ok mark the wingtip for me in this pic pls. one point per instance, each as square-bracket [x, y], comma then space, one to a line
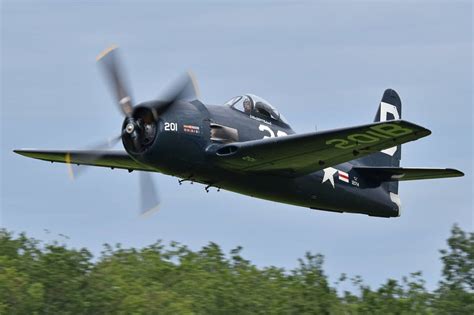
[23, 152]
[427, 131]
[424, 132]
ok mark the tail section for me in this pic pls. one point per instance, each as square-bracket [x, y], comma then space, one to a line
[382, 169]
[390, 108]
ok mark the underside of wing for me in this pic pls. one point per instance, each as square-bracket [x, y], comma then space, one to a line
[402, 173]
[112, 159]
[295, 155]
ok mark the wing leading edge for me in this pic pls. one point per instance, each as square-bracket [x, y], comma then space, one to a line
[300, 154]
[113, 159]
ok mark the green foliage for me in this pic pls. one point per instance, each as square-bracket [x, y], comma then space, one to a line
[37, 278]
[408, 297]
[456, 292]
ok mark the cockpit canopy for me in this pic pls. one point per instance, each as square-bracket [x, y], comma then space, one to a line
[252, 104]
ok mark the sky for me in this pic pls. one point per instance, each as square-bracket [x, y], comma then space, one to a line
[323, 64]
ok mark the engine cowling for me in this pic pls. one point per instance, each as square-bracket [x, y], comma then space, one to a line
[139, 130]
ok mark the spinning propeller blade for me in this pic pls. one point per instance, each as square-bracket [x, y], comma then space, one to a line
[149, 200]
[75, 171]
[114, 73]
[184, 87]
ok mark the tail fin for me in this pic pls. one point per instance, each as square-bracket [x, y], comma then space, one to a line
[390, 108]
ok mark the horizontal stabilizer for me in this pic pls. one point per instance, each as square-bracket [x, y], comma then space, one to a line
[401, 173]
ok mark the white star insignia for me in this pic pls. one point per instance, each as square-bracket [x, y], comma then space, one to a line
[329, 175]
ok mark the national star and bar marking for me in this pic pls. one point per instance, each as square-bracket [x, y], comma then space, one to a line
[329, 176]
[343, 176]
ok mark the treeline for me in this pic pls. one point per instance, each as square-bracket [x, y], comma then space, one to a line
[38, 278]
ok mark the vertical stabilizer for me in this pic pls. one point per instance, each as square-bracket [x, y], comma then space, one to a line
[390, 108]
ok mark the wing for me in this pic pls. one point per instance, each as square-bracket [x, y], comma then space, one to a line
[113, 159]
[305, 153]
[401, 173]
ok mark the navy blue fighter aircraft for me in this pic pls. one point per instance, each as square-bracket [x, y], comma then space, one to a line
[248, 147]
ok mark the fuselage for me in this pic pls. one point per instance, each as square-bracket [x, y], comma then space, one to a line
[189, 133]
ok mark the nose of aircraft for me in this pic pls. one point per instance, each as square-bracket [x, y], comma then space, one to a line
[130, 128]
[139, 131]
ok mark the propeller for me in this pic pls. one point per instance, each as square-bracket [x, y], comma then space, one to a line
[148, 197]
[108, 59]
[139, 127]
[76, 171]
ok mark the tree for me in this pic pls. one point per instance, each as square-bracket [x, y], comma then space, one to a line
[38, 278]
[455, 294]
[41, 279]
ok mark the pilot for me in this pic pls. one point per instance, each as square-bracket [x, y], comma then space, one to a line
[247, 106]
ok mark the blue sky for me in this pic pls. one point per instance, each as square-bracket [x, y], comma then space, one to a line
[323, 64]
